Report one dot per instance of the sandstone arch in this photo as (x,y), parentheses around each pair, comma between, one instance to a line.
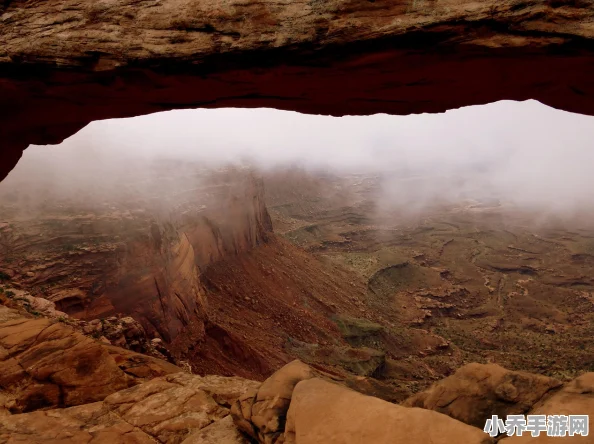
(65,63)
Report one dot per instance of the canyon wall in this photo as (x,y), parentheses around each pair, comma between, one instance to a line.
(145,261)
(188,252)
(236,221)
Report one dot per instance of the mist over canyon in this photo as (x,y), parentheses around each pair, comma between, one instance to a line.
(385,253)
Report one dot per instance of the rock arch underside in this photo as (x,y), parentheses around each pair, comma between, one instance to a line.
(65,63)
(105,378)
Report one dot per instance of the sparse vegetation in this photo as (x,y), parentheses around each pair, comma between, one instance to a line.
(527,300)
(356,328)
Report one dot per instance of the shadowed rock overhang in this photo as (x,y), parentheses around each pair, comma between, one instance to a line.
(66,63)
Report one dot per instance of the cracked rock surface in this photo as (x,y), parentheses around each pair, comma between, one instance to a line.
(178,408)
(45,363)
(296,405)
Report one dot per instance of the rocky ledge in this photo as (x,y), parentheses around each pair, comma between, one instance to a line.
(62,383)
(46,363)
(301,405)
(172,409)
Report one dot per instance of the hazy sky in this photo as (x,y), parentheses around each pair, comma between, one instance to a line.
(524,151)
(528,132)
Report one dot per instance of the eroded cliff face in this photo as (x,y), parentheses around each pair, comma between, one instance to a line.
(95,60)
(145,261)
(187,252)
(236,220)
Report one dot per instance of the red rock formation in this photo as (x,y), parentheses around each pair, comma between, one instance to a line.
(477,391)
(104,60)
(575,398)
(299,405)
(235,220)
(196,265)
(143,262)
(172,409)
(357,418)
(268,305)
(188,270)
(45,363)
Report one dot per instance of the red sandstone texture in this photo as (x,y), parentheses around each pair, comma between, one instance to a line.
(94,60)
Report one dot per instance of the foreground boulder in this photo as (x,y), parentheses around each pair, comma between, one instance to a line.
(575,398)
(296,405)
(325,413)
(478,391)
(45,363)
(262,413)
(178,408)
(301,406)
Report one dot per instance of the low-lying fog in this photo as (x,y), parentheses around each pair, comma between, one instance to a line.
(523,153)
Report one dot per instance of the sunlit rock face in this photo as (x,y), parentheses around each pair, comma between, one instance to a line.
(95,60)
(139,252)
